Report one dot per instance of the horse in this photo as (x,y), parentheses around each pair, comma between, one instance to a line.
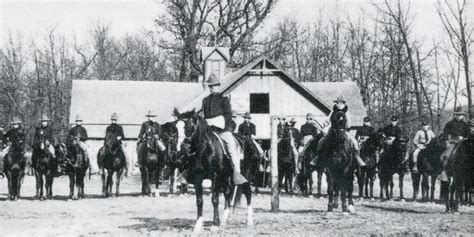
(460,168)
(152,162)
(44,170)
(14,168)
(286,161)
(429,165)
(75,163)
(173,156)
(337,155)
(207,160)
(305,177)
(111,160)
(392,162)
(370,151)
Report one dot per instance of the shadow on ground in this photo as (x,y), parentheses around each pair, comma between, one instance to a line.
(154,224)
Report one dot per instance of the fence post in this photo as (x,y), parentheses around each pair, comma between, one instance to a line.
(275,202)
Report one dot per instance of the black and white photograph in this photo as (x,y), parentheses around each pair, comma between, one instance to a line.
(236,117)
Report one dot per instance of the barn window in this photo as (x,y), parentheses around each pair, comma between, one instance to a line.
(259,103)
(215,68)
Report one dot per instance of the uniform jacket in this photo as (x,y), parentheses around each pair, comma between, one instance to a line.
(115,129)
(42,134)
(423,137)
(392,131)
(218,105)
(14,135)
(364,131)
(149,126)
(247,129)
(456,128)
(308,129)
(78,131)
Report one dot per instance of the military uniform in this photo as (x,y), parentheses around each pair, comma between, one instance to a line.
(43,137)
(364,131)
(216,105)
(148,128)
(247,129)
(116,130)
(14,135)
(78,135)
(454,130)
(392,131)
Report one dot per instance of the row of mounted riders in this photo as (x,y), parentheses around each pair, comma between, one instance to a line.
(336,161)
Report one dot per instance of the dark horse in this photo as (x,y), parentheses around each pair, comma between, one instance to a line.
(429,165)
(392,162)
(112,160)
(152,162)
(207,160)
(337,156)
(286,161)
(174,155)
(305,177)
(461,168)
(14,167)
(75,163)
(44,170)
(370,151)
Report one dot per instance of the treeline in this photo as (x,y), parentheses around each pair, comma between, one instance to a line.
(397,72)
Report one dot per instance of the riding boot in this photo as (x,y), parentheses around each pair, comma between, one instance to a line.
(239,179)
(443,176)
(360,161)
(415,168)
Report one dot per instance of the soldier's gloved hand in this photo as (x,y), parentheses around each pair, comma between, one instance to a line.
(119,138)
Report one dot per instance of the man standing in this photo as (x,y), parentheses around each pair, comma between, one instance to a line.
(455,131)
(117,130)
(247,129)
(218,113)
(364,132)
(421,139)
(78,135)
(42,140)
(149,128)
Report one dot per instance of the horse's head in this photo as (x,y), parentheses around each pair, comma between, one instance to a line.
(400,145)
(111,142)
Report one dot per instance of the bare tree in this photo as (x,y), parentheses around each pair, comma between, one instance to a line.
(454,19)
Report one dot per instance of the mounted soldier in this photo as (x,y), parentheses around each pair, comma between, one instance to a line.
(78,135)
(149,128)
(247,129)
(218,114)
(392,131)
(341,107)
(14,135)
(455,131)
(422,138)
(309,131)
(364,132)
(43,137)
(117,131)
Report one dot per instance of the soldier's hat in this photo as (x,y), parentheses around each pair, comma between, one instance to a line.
(44,117)
(114,116)
(394,118)
(213,80)
(150,114)
(15,120)
(367,119)
(293,120)
(78,118)
(247,115)
(340,99)
(309,115)
(458,111)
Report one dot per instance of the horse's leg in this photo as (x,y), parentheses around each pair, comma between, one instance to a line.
(110,182)
(415,182)
(49,186)
(336,190)
(227,204)
(104,183)
(330,192)
(320,176)
(400,185)
(425,187)
(199,203)
(39,184)
(350,189)
(248,195)
(371,183)
(391,187)
(290,180)
(433,188)
(9,184)
(215,200)
(172,177)
(361,181)
(344,187)
(117,183)
(459,185)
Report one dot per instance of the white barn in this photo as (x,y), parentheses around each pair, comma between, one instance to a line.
(261,88)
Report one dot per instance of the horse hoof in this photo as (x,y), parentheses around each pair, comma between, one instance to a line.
(198,226)
(351,209)
(250,216)
(225,216)
(214,228)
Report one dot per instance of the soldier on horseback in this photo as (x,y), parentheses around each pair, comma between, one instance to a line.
(455,131)
(78,135)
(392,131)
(340,106)
(42,139)
(117,130)
(308,131)
(422,138)
(218,113)
(247,129)
(364,132)
(149,128)
(15,135)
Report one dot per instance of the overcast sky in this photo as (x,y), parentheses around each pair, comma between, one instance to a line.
(75,18)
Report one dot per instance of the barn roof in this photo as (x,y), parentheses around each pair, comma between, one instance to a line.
(96,100)
(329,91)
(261,64)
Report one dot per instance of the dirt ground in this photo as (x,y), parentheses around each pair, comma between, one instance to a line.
(132,214)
